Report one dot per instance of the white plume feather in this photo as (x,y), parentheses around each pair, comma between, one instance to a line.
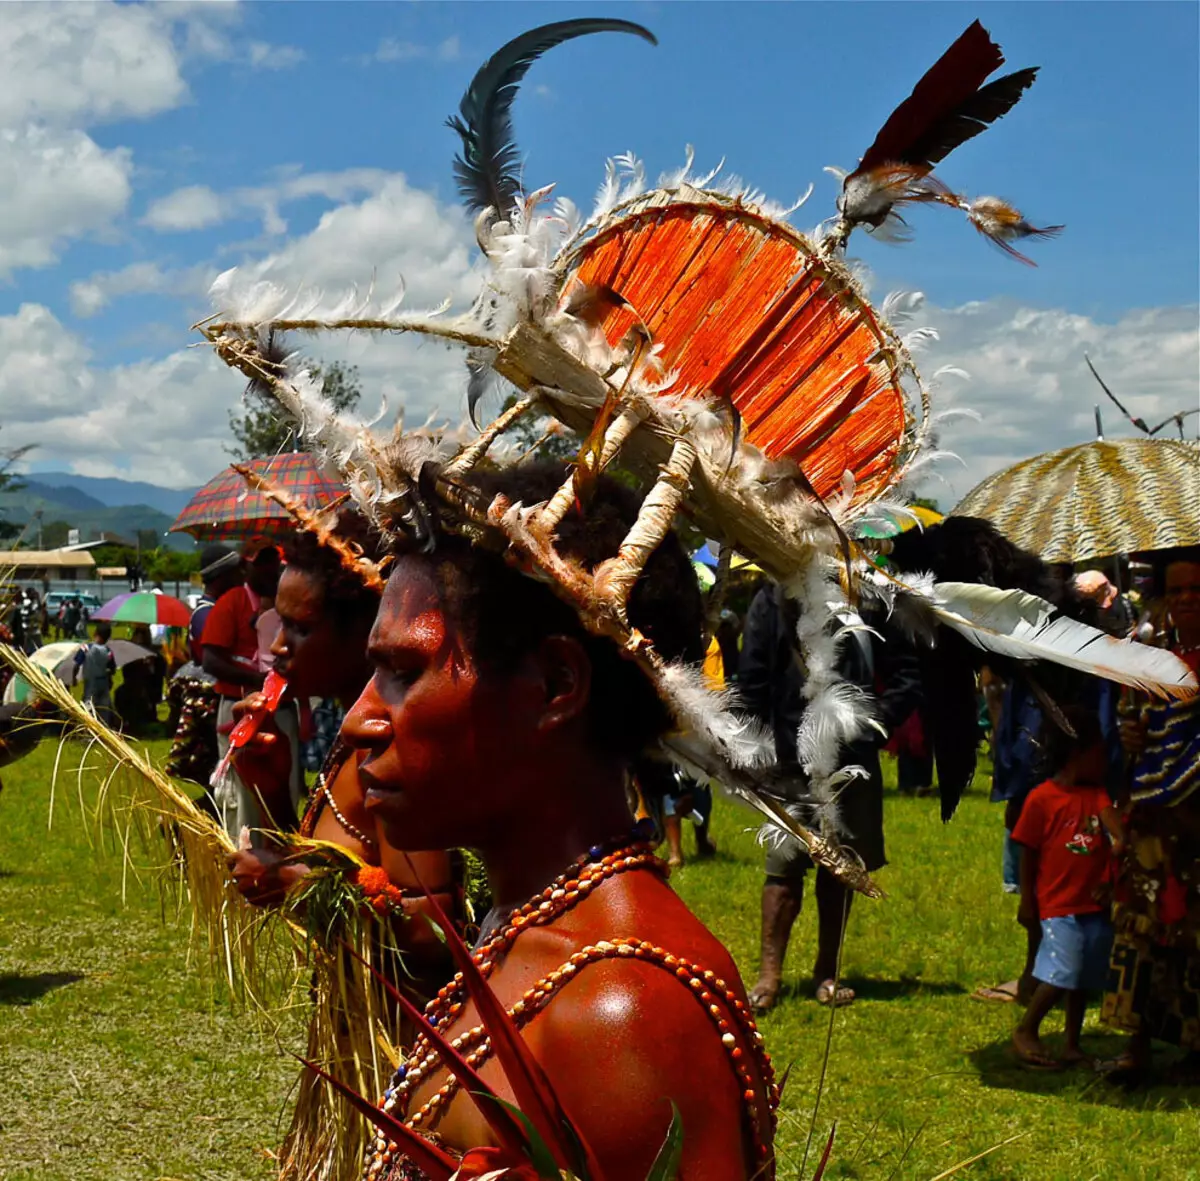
(710,714)
(1023,626)
(900,306)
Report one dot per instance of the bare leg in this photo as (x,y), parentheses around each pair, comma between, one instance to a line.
(780,907)
(833,912)
(1026,986)
(1076,1005)
(1132,1063)
(673,825)
(1026,1039)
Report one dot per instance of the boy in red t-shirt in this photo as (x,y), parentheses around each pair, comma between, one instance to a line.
(1066,866)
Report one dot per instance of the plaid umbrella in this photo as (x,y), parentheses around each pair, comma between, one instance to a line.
(1119,496)
(227,509)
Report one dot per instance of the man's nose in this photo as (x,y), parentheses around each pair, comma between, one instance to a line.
(367,726)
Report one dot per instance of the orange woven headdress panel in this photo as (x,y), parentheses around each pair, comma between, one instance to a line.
(745,309)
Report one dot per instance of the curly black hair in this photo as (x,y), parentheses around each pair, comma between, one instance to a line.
(505,614)
(347,600)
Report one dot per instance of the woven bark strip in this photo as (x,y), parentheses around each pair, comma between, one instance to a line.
(471,455)
(615,578)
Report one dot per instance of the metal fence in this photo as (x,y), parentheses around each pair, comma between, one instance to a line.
(103,588)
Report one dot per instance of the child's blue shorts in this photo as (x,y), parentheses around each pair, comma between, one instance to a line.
(1074,951)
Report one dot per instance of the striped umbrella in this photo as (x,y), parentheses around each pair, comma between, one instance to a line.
(1119,496)
(227,509)
(145,607)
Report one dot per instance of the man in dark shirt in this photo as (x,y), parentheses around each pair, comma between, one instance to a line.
(771,681)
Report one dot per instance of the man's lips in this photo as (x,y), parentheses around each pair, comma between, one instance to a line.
(374,792)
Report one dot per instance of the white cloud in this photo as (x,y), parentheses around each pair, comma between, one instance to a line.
(97,291)
(72,64)
(195,207)
(65,67)
(274,57)
(394,49)
(43,369)
(1033,389)
(395,232)
(163,420)
(191,208)
(55,185)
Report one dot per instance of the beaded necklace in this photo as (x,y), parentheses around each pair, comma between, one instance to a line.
(727,1011)
(322,795)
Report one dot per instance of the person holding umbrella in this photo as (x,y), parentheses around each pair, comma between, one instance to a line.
(97,665)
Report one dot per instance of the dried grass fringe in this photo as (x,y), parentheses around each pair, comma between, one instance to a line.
(267,960)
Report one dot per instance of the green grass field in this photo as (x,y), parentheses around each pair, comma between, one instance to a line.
(120,1060)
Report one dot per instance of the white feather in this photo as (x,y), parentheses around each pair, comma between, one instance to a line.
(836,712)
(953,412)
(951,371)
(704,181)
(677,176)
(709,713)
(916,340)
(1026,627)
(900,306)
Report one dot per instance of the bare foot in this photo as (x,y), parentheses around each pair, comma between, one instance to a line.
(829,992)
(1031,1053)
(764,994)
(675,861)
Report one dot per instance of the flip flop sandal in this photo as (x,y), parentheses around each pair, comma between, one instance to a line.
(1122,1071)
(994,994)
(1038,1063)
(838,995)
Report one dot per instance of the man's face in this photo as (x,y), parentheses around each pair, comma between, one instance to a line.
(310,650)
(263,574)
(1183,596)
(445,743)
(225,580)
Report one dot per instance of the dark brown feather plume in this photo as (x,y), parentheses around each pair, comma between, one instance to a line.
(946,86)
(967,120)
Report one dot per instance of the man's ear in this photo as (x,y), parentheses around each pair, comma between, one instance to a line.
(566,676)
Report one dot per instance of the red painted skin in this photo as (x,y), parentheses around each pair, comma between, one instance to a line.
(503,763)
(318,659)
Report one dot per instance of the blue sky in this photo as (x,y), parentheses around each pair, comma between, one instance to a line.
(217,120)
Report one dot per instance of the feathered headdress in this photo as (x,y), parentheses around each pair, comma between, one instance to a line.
(734,363)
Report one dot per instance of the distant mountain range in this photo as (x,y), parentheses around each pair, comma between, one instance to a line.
(115,493)
(96,506)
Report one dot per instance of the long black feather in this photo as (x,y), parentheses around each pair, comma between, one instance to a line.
(487,170)
(1177,419)
(945,86)
(1140,423)
(966,121)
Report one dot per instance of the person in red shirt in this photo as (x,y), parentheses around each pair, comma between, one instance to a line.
(1066,869)
(230,653)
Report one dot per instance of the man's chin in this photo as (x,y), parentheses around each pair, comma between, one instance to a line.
(409,828)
